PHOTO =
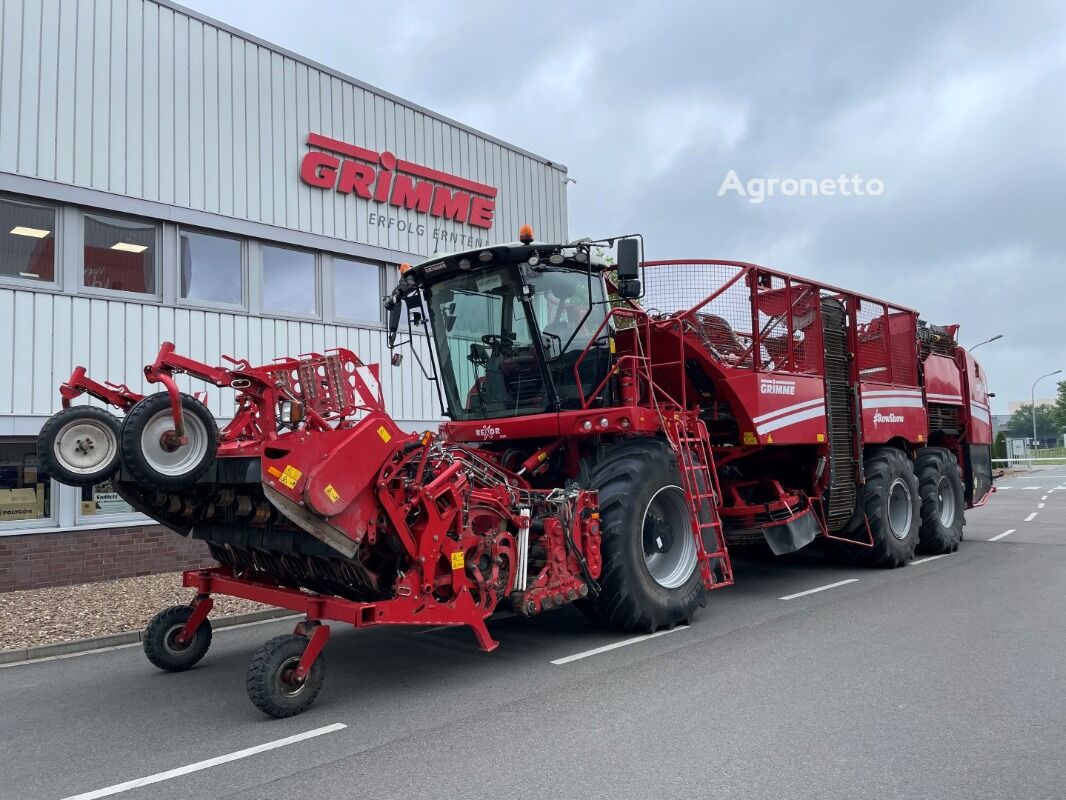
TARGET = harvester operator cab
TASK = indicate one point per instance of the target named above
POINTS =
(516, 329)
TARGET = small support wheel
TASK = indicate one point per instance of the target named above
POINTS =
(272, 683)
(161, 644)
(79, 446)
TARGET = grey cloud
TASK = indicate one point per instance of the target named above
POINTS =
(960, 108)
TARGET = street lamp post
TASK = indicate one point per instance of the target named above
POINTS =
(986, 341)
(1032, 406)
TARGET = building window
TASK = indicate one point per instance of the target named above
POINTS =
(289, 280)
(27, 241)
(101, 500)
(25, 493)
(356, 290)
(120, 254)
(211, 268)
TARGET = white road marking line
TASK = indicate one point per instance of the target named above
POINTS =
(109, 648)
(1000, 536)
(1045, 496)
(614, 646)
(1039, 505)
(1032, 488)
(1001, 488)
(201, 765)
(1031, 517)
(434, 630)
(818, 589)
(929, 558)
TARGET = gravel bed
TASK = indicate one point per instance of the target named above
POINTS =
(46, 616)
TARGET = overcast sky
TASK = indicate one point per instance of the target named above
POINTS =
(958, 108)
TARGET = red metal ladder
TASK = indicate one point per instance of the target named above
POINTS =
(688, 435)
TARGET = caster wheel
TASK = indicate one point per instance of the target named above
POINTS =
(271, 681)
(79, 446)
(161, 644)
(154, 461)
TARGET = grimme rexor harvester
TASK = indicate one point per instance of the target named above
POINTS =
(612, 431)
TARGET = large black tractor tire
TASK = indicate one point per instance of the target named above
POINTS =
(889, 504)
(79, 446)
(270, 682)
(651, 576)
(942, 500)
(162, 647)
(146, 455)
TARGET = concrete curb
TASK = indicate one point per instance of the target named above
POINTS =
(129, 637)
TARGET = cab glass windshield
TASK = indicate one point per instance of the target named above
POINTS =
(488, 364)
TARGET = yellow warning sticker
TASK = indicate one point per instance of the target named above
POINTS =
(769, 438)
(290, 476)
(458, 559)
(820, 437)
(331, 493)
(749, 438)
(384, 434)
(272, 470)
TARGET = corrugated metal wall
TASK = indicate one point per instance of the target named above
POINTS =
(44, 335)
(137, 99)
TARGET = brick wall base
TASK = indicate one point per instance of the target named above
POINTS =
(35, 560)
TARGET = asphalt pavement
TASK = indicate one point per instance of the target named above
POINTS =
(944, 679)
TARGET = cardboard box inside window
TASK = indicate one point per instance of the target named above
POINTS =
(16, 504)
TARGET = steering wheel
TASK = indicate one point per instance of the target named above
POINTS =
(501, 345)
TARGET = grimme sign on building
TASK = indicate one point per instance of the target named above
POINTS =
(385, 180)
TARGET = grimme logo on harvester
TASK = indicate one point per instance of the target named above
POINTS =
(384, 178)
(774, 386)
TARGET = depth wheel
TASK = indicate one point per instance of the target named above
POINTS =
(651, 576)
(149, 455)
(271, 683)
(79, 446)
(943, 500)
(161, 644)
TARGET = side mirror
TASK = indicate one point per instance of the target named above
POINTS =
(395, 310)
(628, 268)
(628, 260)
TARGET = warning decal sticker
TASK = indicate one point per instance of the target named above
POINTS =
(290, 476)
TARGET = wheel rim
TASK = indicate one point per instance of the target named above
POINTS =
(945, 497)
(85, 446)
(900, 509)
(283, 682)
(176, 462)
(669, 548)
(171, 643)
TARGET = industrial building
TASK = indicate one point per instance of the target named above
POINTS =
(164, 176)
